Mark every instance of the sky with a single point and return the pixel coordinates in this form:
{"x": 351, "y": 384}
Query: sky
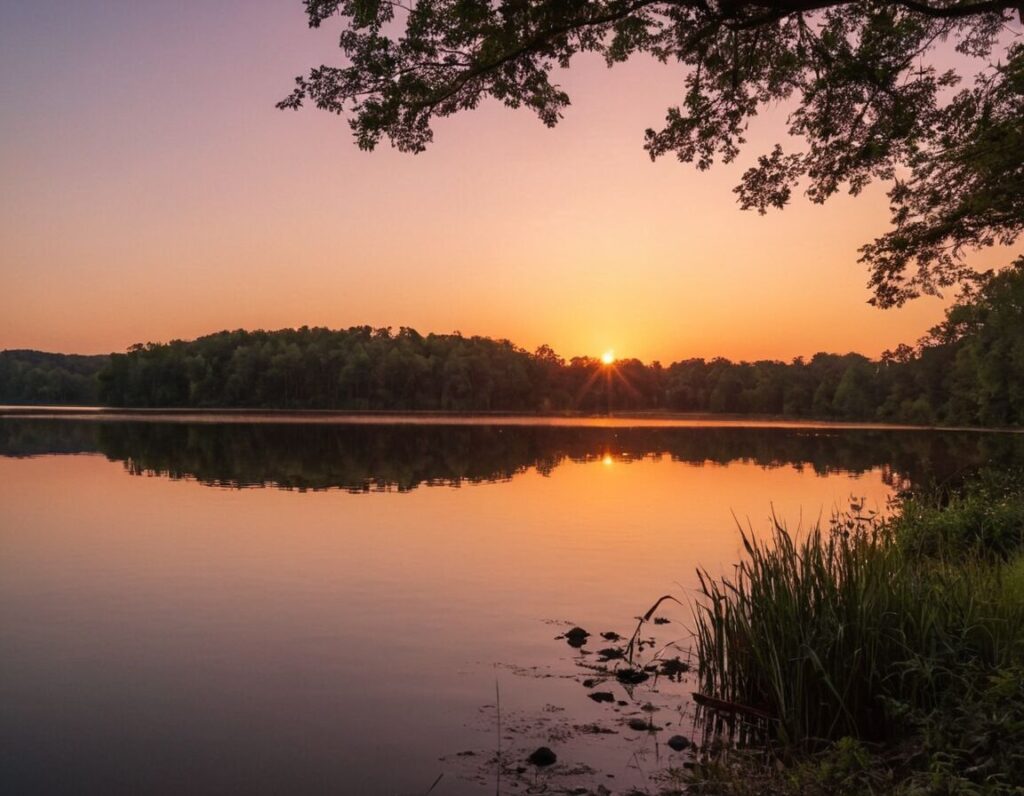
{"x": 152, "y": 191}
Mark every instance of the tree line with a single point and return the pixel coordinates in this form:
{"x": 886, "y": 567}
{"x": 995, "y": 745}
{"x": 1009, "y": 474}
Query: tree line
{"x": 36, "y": 377}
{"x": 968, "y": 370}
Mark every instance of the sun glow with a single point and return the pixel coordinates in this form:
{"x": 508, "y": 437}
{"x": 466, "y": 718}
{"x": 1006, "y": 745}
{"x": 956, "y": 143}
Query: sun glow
{"x": 608, "y": 357}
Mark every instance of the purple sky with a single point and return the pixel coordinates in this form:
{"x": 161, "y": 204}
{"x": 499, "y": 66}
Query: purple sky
{"x": 151, "y": 190}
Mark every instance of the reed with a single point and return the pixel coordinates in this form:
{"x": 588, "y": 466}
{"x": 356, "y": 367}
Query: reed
{"x": 847, "y": 631}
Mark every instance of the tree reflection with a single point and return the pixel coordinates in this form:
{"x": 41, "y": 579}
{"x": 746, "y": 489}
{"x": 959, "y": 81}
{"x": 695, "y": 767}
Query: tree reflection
{"x": 363, "y": 458}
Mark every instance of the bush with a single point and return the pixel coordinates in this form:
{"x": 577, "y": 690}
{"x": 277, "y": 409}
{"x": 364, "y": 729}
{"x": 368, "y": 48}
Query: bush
{"x": 986, "y": 517}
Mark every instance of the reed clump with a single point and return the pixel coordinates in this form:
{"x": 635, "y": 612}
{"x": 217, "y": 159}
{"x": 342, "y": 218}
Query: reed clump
{"x": 904, "y": 636}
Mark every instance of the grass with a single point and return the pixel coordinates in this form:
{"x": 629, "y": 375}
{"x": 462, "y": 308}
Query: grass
{"x": 888, "y": 654}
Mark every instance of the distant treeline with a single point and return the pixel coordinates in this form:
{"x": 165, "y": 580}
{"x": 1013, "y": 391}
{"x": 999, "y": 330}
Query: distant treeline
{"x": 968, "y": 370}
{"x": 35, "y": 377}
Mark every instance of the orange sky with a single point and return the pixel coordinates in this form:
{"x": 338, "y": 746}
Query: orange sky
{"x": 152, "y": 191}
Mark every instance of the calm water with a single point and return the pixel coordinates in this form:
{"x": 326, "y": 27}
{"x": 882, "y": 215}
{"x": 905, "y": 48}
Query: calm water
{"x": 331, "y": 608}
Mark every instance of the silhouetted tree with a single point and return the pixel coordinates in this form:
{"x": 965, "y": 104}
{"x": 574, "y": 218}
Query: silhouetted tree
{"x": 869, "y": 104}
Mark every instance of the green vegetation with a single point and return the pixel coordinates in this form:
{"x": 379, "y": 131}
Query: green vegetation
{"x": 890, "y": 655}
{"x": 969, "y": 370}
{"x": 34, "y": 377}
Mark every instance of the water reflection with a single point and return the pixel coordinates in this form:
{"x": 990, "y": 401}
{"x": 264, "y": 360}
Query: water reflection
{"x": 362, "y": 458}
{"x": 159, "y": 636}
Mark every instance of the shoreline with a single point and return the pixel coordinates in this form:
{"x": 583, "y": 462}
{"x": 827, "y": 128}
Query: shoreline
{"x": 623, "y": 420}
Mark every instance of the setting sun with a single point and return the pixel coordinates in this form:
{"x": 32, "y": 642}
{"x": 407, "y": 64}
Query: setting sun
{"x": 608, "y": 357}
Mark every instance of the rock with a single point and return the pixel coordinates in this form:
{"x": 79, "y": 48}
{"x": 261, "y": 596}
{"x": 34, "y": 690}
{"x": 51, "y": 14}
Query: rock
{"x": 577, "y": 637}
{"x": 674, "y": 668}
{"x": 602, "y": 696}
{"x": 640, "y": 725}
{"x": 591, "y": 682}
{"x": 678, "y": 742}
{"x": 610, "y": 635}
{"x": 542, "y": 757}
{"x": 611, "y": 654}
{"x": 631, "y": 676}
{"x": 660, "y": 620}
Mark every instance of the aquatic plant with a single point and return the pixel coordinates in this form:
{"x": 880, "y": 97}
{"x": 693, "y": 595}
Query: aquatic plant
{"x": 846, "y": 631}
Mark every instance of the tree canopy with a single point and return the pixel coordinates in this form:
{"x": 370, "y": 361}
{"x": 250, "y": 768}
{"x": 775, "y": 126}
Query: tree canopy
{"x": 968, "y": 371}
{"x": 36, "y": 377}
{"x": 870, "y": 101}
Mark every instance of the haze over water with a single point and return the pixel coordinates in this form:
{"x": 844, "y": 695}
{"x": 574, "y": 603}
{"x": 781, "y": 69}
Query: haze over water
{"x": 255, "y": 608}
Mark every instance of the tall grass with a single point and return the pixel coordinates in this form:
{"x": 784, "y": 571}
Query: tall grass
{"x": 847, "y": 631}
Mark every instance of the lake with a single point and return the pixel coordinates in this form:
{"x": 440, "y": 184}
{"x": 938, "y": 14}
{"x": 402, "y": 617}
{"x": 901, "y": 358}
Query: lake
{"x": 248, "y": 605}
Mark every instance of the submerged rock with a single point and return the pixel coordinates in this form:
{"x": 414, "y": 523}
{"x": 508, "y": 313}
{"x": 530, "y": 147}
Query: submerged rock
{"x": 631, "y": 676}
{"x": 640, "y": 725}
{"x": 602, "y": 696}
{"x": 678, "y": 742}
{"x": 610, "y": 635}
{"x": 542, "y": 757}
{"x": 674, "y": 668}
{"x": 577, "y": 637}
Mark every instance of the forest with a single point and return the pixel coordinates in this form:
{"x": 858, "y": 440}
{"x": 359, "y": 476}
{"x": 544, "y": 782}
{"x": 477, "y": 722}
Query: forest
{"x": 968, "y": 370}
{"x": 36, "y": 377}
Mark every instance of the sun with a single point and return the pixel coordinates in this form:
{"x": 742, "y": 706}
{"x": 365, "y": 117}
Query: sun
{"x": 608, "y": 357}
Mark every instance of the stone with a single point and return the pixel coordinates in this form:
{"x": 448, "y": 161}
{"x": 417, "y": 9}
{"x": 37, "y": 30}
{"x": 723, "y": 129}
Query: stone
{"x": 577, "y": 637}
{"x": 631, "y": 676}
{"x": 542, "y": 757}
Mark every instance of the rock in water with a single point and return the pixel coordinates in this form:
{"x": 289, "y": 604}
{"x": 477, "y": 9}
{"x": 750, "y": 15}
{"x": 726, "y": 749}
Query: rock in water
{"x": 643, "y": 726}
{"x": 543, "y": 757}
{"x": 577, "y": 637}
{"x": 602, "y": 696}
{"x": 631, "y": 676}
{"x": 678, "y": 742}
